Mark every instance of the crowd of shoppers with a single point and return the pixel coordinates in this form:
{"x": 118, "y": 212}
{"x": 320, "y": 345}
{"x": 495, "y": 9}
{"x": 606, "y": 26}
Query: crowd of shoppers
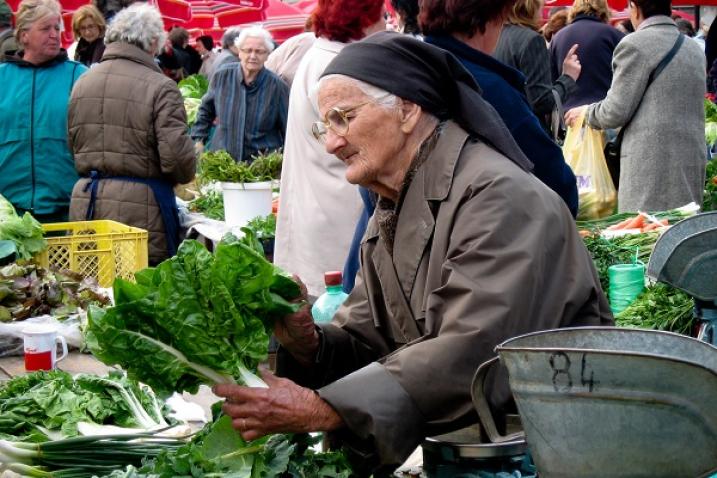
{"x": 422, "y": 161}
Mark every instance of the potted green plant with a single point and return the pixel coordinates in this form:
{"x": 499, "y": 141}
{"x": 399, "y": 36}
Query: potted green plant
{"x": 246, "y": 187}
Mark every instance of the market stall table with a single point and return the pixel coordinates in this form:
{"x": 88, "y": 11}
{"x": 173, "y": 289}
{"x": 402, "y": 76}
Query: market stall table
{"x": 77, "y": 362}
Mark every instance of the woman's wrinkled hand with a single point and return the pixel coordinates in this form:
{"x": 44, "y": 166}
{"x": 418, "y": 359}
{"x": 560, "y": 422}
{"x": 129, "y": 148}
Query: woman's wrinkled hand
{"x": 571, "y": 63}
{"x": 284, "y": 407}
{"x": 297, "y": 332}
{"x": 572, "y": 115}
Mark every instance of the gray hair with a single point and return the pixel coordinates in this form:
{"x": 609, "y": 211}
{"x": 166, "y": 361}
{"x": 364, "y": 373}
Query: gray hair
{"x": 31, "y": 11}
{"x": 379, "y": 96}
{"x": 229, "y": 36}
{"x": 255, "y": 32}
{"x": 140, "y": 25}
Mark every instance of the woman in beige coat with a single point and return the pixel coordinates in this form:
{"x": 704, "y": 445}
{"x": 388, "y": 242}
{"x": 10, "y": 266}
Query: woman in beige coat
{"x": 128, "y": 132}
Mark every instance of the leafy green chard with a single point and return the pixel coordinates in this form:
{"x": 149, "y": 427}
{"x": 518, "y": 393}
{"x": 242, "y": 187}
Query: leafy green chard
{"x": 196, "y": 318}
{"x": 23, "y": 230}
{"x": 42, "y": 405}
{"x": 219, "y": 451}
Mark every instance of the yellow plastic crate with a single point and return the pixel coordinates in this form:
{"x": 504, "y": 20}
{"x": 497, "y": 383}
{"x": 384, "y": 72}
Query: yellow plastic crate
{"x": 100, "y": 249}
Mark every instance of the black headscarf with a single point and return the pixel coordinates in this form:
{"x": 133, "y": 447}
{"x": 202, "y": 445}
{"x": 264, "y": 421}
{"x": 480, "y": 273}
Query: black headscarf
{"x": 430, "y": 77}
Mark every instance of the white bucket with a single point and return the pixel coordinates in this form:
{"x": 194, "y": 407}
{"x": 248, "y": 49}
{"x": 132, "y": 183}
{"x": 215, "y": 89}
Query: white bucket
{"x": 245, "y": 201}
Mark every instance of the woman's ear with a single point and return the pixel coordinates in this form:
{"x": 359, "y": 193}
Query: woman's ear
{"x": 409, "y": 114}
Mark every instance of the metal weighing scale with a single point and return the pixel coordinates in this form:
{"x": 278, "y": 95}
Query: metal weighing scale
{"x": 464, "y": 454}
{"x": 685, "y": 257}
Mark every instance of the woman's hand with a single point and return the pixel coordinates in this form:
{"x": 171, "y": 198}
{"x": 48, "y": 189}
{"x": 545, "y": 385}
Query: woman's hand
{"x": 284, "y": 407}
{"x": 571, "y": 63}
{"x": 297, "y": 332}
{"x": 572, "y": 115}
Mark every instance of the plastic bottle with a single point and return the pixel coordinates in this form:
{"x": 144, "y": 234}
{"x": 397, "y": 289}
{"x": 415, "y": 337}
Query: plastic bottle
{"x": 328, "y": 303}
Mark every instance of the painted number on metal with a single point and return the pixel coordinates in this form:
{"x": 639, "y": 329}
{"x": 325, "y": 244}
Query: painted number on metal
{"x": 562, "y": 376}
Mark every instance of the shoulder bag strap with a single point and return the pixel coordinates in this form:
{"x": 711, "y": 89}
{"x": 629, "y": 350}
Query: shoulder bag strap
{"x": 655, "y": 73}
{"x": 557, "y": 121}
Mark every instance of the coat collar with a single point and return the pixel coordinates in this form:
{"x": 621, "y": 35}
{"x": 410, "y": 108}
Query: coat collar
{"x": 441, "y": 164}
{"x": 130, "y": 52}
{"x": 416, "y": 223}
{"x": 656, "y": 20}
{"x": 17, "y": 58}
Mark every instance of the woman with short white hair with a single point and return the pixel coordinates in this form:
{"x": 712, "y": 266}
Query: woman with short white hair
{"x": 250, "y": 102}
{"x": 36, "y": 164}
{"x": 128, "y": 131}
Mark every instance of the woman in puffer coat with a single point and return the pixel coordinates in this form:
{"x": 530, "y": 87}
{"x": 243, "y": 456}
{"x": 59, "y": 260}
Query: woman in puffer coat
{"x": 128, "y": 132}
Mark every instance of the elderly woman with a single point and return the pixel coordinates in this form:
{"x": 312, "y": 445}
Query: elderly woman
{"x": 588, "y": 28}
{"x": 466, "y": 249}
{"x": 128, "y": 133}
{"x": 88, "y": 25}
{"x": 661, "y": 115}
{"x": 36, "y": 163}
{"x": 249, "y": 102}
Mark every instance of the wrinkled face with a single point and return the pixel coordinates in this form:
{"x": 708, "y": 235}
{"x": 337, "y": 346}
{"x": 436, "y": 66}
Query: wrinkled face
{"x": 89, "y": 30}
{"x": 41, "y": 41}
{"x": 253, "y": 55}
{"x": 372, "y": 139}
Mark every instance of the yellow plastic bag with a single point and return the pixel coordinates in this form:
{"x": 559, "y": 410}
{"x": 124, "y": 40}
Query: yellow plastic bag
{"x": 583, "y": 151}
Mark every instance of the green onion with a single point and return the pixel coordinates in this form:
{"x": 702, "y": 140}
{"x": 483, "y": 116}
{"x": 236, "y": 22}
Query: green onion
{"x": 82, "y": 457}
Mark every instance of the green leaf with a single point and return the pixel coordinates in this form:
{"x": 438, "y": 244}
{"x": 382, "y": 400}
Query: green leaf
{"x": 196, "y": 318}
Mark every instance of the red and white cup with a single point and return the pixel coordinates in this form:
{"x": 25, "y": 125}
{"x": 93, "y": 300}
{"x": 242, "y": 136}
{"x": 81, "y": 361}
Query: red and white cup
{"x": 41, "y": 347}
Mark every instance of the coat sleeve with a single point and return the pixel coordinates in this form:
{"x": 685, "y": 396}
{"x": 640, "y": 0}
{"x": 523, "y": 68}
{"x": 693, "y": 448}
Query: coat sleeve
{"x": 631, "y": 69}
{"x": 535, "y": 65}
{"x": 176, "y": 150}
{"x": 494, "y": 285}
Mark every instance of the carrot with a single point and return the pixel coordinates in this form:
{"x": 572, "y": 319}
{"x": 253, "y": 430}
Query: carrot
{"x": 651, "y": 227}
{"x": 636, "y": 223}
{"x": 620, "y": 225}
{"x": 585, "y": 233}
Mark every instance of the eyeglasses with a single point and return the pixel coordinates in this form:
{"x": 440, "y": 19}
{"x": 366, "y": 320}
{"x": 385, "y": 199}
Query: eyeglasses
{"x": 337, "y": 120}
{"x": 88, "y": 28}
{"x": 249, "y": 51}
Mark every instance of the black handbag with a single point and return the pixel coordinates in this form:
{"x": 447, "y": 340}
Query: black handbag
{"x": 612, "y": 148}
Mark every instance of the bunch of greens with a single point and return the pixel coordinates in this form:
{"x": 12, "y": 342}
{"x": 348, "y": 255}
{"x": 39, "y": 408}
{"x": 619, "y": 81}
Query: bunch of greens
{"x": 211, "y": 204}
{"x": 195, "y": 318}
{"x": 193, "y": 88}
{"x": 219, "y": 166}
{"x": 619, "y": 250}
{"x": 263, "y": 227}
{"x": 709, "y": 202}
{"x": 24, "y": 231}
{"x": 219, "y": 451}
{"x": 82, "y": 457}
{"x": 41, "y": 405}
{"x": 30, "y": 291}
{"x": 659, "y": 307}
